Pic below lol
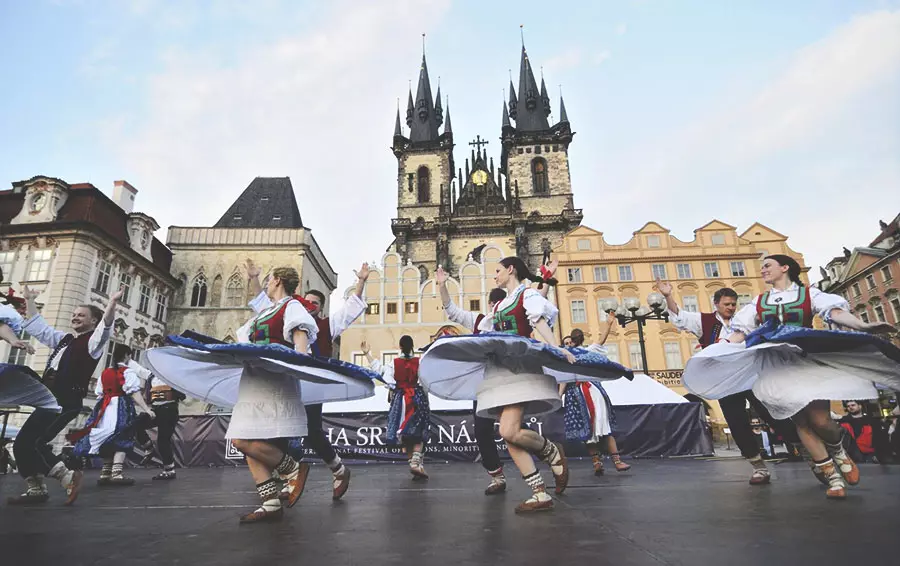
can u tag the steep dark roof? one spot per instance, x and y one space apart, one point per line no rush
533 105
264 200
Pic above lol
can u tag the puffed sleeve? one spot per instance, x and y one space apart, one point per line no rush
386 371
459 316
343 317
746 319
11 318
132 382
486 324
823 303
296 317
598 349
537 307
687 321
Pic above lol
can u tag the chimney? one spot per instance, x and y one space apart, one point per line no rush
123 195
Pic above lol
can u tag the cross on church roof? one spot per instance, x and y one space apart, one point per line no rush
478 143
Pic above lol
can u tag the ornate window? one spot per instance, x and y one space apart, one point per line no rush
144 302
162 302
7 260
539 176
39 269
17 356
104 271
125 283
198 292
424 184
234 291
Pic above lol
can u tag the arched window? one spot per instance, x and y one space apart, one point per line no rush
215 298
423 274
198 292
234 292
539 175
424 185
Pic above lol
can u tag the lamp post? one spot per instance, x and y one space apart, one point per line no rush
631 311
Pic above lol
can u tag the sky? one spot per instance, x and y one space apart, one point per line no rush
786 113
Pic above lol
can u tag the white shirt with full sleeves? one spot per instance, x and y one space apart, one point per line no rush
50 337
747 320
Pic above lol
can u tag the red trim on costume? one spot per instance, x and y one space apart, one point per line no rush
113 381
586 391
406 372
711 329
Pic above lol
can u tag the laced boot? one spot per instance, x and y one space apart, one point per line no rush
552 453
35 492
270 510
845 465
597 461
415 466
836 486
539 500
761 475
498 482
620 465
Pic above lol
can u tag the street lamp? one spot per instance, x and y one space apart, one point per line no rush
631 311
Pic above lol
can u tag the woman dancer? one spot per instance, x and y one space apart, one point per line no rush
506 374
19 385
589 414
793 370
409 418
109 431
265 383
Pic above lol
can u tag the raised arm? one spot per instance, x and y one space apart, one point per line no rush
454 313
847 320
353 307
253 272
666 289
604 334
386 371
680 318
36 325
551 271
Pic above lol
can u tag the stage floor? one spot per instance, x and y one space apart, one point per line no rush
695 512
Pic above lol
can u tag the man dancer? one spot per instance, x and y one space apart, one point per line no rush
330 328
68 374
710 328
164 401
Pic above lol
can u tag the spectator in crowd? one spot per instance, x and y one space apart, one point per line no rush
867 432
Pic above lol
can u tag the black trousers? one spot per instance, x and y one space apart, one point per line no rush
738 419
487 445
32 449
165 422
315 437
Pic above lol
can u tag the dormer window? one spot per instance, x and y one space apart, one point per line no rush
145 239
276 218
264 199
238 217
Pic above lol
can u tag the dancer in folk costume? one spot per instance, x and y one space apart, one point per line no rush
589 415
710 328
409 417
164 400
795 370
266 382
505 371
69 369
109 431
329 329
476 323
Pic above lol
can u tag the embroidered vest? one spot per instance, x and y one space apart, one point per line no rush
795 313
513 319
406 372
268 328
113 381
711 329
69 383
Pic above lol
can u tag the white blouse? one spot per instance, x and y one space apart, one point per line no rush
536 306
11 317
132 382
338 321
746 319
693 323
50 337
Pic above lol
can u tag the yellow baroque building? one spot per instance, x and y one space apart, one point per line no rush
592 269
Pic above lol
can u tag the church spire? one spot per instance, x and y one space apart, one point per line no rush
513 103
410 110
563 116
506 123
531 111
425 120
448 129
397 130
545 98
438 109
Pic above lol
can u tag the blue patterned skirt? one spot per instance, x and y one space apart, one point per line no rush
409 416
122 439
580 415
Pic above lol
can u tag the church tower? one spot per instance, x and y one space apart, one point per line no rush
425 170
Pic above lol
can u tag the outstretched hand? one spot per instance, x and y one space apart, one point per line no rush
253 270
30 294
880 328
552 266
117 295
23 345
440 276
364 346
364 271
570 357
664 287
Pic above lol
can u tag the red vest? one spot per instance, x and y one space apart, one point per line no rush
113 381
478 320
513 319
795 313
406 372
712 329
324 345
269 329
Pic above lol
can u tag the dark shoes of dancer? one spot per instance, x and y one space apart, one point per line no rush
619 464
761 474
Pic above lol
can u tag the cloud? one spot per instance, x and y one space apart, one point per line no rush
621 29
807 153
315 105
602 56
568 59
